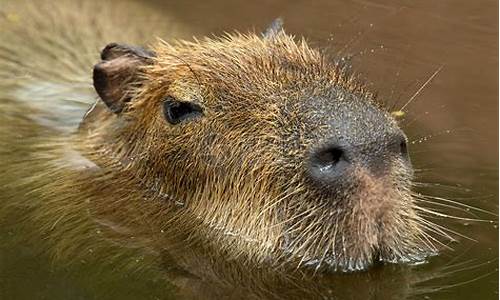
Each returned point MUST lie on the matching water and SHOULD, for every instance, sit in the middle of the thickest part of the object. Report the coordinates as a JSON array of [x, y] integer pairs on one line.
[[452, 121]]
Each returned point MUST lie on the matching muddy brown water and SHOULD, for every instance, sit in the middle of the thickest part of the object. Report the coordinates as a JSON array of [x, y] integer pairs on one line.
[[453, 123]]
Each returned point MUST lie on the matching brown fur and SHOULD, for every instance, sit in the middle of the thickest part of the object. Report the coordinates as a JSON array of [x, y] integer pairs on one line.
[[230, 171], [231, 183]]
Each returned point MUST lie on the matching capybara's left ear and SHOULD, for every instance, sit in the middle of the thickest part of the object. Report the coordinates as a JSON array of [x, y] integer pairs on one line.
[[118, 72]]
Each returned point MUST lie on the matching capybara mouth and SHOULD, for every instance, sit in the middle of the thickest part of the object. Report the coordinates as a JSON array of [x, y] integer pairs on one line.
[[330, 264], [344, 262], [375, 224]]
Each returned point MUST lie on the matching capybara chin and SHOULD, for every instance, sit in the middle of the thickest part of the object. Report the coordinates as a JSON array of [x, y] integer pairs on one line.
[[256, 148]]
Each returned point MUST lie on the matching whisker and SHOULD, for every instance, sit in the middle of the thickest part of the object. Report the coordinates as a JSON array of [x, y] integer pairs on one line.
[[422, 87], [429, 243], [430, 228], [445, 187], [437, 203], [457, 203], [434, 226], [439, 214], [278, 200]]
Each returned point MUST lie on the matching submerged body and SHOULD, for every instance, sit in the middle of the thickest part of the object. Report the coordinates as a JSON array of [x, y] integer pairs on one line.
[[250, 149]]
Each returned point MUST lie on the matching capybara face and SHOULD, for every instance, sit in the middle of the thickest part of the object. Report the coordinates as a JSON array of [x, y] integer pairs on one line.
[[276, 153]]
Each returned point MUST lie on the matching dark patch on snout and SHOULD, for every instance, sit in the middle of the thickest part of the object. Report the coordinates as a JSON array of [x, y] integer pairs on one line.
[[333, 163], [352, 134]]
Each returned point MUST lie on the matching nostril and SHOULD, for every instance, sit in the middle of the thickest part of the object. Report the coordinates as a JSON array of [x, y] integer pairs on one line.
[[328, 163], [403, 148], [329, 158]]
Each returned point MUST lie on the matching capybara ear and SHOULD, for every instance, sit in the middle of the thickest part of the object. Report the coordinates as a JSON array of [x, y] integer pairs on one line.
[[118, 72], [273, 29]]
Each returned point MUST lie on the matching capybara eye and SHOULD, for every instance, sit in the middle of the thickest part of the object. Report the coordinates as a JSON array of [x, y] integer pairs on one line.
[[178, 111]]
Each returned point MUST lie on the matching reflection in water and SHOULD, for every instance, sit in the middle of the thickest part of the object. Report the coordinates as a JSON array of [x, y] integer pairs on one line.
[[451, 122]]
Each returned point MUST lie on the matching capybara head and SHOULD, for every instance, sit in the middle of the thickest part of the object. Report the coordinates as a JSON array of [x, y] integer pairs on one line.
[[275, 152]]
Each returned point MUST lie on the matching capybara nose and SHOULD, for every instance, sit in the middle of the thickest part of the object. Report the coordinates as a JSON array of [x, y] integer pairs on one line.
[[329, 163], [333, 162]]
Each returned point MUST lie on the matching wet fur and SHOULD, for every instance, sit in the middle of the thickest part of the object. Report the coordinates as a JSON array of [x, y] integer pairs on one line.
[[231, 184]]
